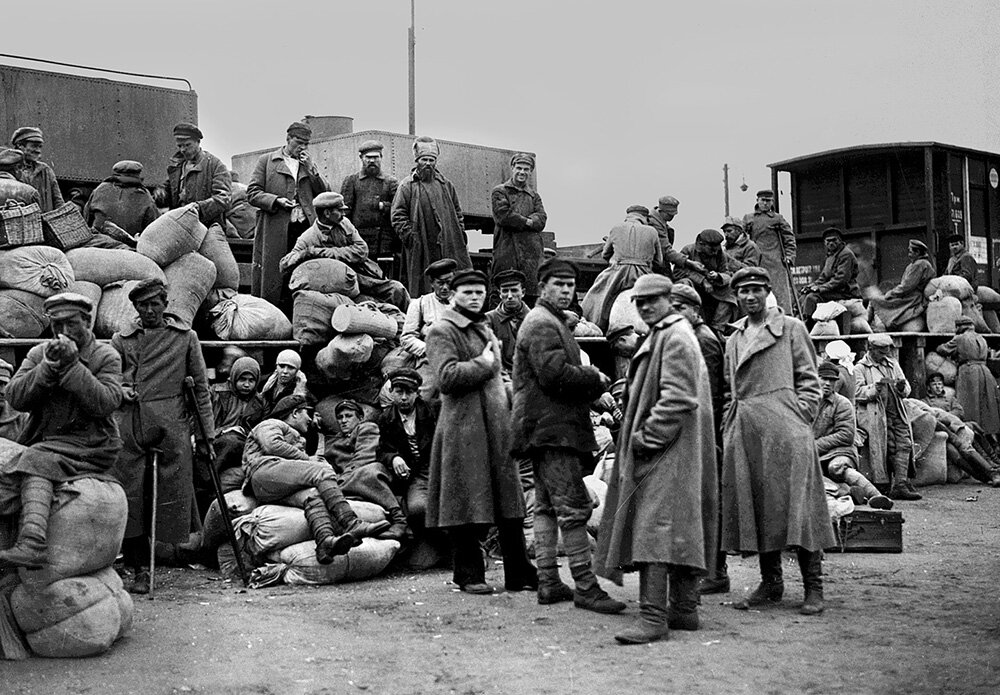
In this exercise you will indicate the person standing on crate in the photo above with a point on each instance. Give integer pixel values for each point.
(11, 189)
(197, 176)
(368, 198)
(975, 386)
(518, 220)
(772, 485)
(35, 172)
(157, 354)
(773, 235)
(838, 278)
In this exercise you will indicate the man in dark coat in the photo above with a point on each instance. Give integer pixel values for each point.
(10, 188)
(282, 187)
(428, 219)
(774, 237)
(518, 221)
(772, 486)
(507, 318)
(664, 212)
(709, 270)
(70, 386)
(34, 171)
(552, 396)
(837, 280)
(368, 197)
(157, 354)
(121, 201)
(196, 176)
(662, 501)
(961, 262)
(473, 482)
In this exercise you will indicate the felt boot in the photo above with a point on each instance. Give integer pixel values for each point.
(718, 581)
(682, 613)
(651, 625)
(588, 594)
(328, 543)
(771, 587)
(811, 565)
(344, 518)
(551, 588)
(871, 495)
(31, 548)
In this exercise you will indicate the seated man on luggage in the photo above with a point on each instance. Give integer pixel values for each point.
(353, 454)
(835, 428)
(238, 408)
(277, 469)
(837, 280)
(938, 397)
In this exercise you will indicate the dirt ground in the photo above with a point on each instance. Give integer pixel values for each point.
(924, 621)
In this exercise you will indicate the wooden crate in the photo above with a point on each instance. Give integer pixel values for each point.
(869, 531)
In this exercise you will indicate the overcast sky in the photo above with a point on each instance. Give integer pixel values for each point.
(622, 101)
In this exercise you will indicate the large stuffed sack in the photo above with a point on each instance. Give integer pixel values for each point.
(216, 249)
(856, 307)
(172, 235)
(213, 532)
(988, 296)
(828, 311)
(105, 266)
(362, 562)
(22, 314)
(934, 362)
(918, 324)
(245, 317)
(272, 527)
(823, 328)
(115, 312)
(189, 280)
(942, 313)
(624, 313)
(363, 319)
(344, 351)
(312, 313)
(74, 617)
(948, 286)
(326, 275)
(41, 270)
(91, 291)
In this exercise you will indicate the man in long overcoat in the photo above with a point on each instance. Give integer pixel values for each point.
(906, 301)
(838, 279)
(197, 176)
(70, 386)
(282, 187)
(773, 235)
(518, 220)
(428, 218)
(553, 391)
(662, 499)
(975, 386)
(772, 486)
(473, 481)
(157, 354)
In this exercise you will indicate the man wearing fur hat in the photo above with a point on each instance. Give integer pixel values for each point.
(121, 201)
(34, 171)
(10, 188)
(197, 176)
(282, 187)
(427, 217)
(368, 198)
(518, 221)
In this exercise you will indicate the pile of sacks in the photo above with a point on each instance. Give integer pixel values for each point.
(949, 297)
(29, 275)
(76, 605)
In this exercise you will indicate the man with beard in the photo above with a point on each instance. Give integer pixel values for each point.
(427, 218)
(10, 188)
(961, 262)
(368, 197)
(773, 235)
(738, 244)
(422, 313)
(70, 387)
(507, 318)
(196, 176)
(282, 187)
(837, 280)
(709, 271)
(473, 482)
(121, 201)
(35, 172)
(553, 391)
(518, 218)
(157, 354)
(772, 486)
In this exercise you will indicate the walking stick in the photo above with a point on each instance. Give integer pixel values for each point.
(220, 497)
(152, 523)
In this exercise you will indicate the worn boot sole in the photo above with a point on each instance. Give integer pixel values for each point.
(332, 547)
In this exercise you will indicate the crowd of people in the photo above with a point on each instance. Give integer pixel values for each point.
(718, 420)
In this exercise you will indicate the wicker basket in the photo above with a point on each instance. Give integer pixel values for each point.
(65, 227)
(350, 318)
(20, 225)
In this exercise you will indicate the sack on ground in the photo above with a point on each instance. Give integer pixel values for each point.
(934, 362)
(41, 270)
(362, 562)
(171, 235)
(312, 313)
(828, 311)
(825, 328)
(189, 280)
(941, 314)
(216, 249)
(326, 275)
(105, 266)
(115, 312)
(272, 527)
(22, 314)
(245, 317)
(948, 286)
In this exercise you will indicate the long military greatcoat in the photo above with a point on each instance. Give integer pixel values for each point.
(772, 486)
(906, 300)
(871, 405)
(662, 499)
(773, 235)
(516, 246)
(473, 479)
(975, 386)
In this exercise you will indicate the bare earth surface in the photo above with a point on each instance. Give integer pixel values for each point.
(925, 621)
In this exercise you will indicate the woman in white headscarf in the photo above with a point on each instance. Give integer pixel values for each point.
(839, 353)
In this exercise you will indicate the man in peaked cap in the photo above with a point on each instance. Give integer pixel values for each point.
(197, 176)
(35, 172)
(70, 387)
(906, 301)
(509, 314)
(421, 315)
(427, 217)
(368, 195)
(709, 270)
(961, 262)
(838, 278)
(121, 202)
(773, 235)
(518, 220)
(10, 188)
(663, 214)
(282, 186)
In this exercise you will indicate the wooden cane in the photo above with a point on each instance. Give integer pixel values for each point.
(152, 523)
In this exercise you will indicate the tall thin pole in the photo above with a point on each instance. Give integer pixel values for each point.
(413, 74)
(725, 185)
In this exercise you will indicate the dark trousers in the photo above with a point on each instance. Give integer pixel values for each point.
(468, 564)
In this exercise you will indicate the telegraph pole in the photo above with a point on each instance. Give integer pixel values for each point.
(725, 185)
(412, 54)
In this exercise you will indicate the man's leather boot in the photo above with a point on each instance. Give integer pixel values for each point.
(588, 594)
(398, 529)
(328, 543)
(682, 613)
(31, 548)
(811, 565)
(718, 581)
(551, 588)
(771, 587)
(344, 518)
(651, 625)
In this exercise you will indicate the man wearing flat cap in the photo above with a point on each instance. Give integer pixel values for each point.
(772, 486)
(518, 220)
(34, 171)
(506, 319)
(121, 202)
(663, 213)
(197, 176)
(70, 387)
(662, 501)
(961, 262)
(333, 236)
(282, 187)
(10, 188)
(838, 278)
(709, 270)
(157, 354)
(738, 243)
(773, 235)
(906, 301)
(422, 313)
(553, 391)
(368, 196)
(427, 217)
